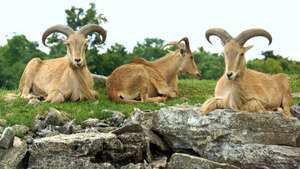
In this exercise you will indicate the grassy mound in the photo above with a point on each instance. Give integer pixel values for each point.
(191, 91)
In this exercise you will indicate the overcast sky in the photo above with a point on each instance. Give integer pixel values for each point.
(133, 20)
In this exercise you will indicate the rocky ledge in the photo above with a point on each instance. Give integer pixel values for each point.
(178, 137)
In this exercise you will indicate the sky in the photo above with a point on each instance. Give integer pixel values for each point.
(130, 21)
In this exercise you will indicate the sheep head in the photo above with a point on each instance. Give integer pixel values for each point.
(76, 42)
(183, 50)
(234, 49)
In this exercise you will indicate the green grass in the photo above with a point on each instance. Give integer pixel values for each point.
(191, 91)
(19, 112)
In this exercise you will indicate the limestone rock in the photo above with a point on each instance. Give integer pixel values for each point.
(3, 123)
(184, 161)
(56, 117)
(246, 140)
(251, 156)
(12, 158)
(7, 138)
(185, 127)
(20, 130)
(91, 122)
(116, 120)
(87, 150)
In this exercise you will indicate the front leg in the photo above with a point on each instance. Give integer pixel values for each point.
(174, 85)
(253, 105)
(95, 94)
(212, 104)
(55, 97)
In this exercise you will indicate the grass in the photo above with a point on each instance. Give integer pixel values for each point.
(19, 112)
(191, 91)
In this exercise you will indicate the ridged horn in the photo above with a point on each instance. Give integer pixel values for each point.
(187, 43)
(85, 30)
(66, 30)
(219, 32)
(243, 37)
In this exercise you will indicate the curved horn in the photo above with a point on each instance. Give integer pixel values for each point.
(250, 33)
(66, 30)
(93, 28)
(219, 32)
(187, 43)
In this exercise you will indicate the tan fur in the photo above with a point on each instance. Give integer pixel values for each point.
(145, 81)
(246, 89)
(57, 80)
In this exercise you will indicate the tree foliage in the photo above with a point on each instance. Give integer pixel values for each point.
(18, 51)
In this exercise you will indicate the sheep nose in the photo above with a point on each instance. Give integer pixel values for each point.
(77, 60)
(229, 75)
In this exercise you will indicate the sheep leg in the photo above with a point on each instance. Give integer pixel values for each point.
(95, 94)
(156, 99)
(286, 101)
(253, 106)
(212, 104)
(174, 85)
(55, 97)
(28, 75)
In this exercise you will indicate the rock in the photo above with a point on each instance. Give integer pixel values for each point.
(116, 119)
(3, 123)
(101, 124)
(251, 156)
(132, 128)
(68, 128)
(296, 111)
(1, 130)
(70, 151)
(86, 150)
(20, 130)
(136, 166)
(56, 118)
(39, 125)
(154, 139)
(13, 157)
(7, 138)
(159, 163)
(231, 137)
(144, 118)
(91, 122)
(184, 161)
(106, 129)
(184, 127)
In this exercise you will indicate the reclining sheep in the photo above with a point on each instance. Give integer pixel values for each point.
(68, 77)
(145, 81)
(244, 89)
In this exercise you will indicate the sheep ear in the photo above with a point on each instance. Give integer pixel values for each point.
(248, 47)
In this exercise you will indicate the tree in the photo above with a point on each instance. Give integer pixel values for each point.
(115, 56)
(211, 65)
(13, 58)
(149, 49)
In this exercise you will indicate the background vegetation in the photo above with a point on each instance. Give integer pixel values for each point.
(18, 50)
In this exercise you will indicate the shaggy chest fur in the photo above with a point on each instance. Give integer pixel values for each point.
(73, 84)
(237, 93)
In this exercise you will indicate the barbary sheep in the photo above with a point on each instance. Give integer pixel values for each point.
(64, 78)
(145, 81)
(243, 89)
